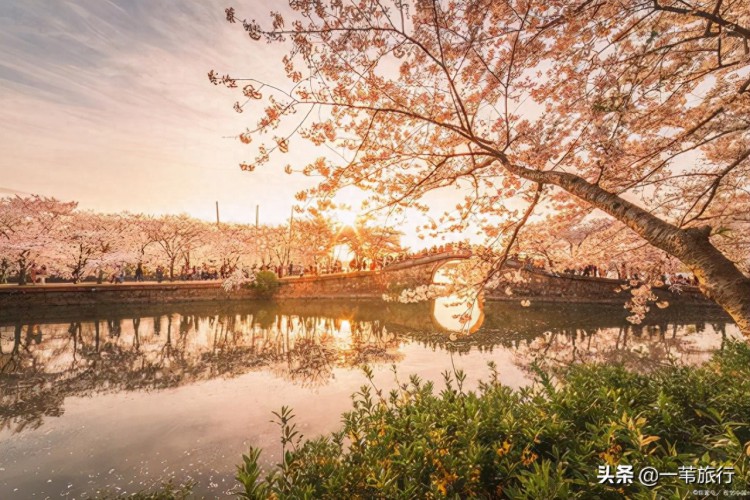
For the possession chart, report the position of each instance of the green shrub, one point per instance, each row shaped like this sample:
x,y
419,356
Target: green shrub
x,y
266,282
543,441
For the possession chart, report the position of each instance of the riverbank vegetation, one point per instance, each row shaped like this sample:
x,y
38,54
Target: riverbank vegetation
x,y
549,440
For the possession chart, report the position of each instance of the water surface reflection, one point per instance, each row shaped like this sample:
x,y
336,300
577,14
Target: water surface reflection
x,y
124,397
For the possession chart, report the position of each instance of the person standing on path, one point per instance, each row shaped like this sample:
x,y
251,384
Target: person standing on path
x,y
4,268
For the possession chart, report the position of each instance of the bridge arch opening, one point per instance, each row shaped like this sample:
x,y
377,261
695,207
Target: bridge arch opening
x,y
441,272
457,312
457,316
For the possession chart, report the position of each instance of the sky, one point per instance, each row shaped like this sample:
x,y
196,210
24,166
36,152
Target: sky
x,y
107,103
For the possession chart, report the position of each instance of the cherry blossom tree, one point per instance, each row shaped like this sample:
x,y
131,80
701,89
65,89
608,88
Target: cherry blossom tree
x,y
567,242
231,244
175,236
273,245
140,239
308,241
636,108
28,229
89,242
313,238
369,241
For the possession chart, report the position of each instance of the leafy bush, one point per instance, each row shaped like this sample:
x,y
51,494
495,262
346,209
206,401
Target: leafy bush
x,y
266,282
543,441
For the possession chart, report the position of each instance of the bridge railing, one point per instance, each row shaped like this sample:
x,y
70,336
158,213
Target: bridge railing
x,y
426,258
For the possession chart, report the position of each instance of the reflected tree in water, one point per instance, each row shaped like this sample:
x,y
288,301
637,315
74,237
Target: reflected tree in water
x,y
112,353
96,352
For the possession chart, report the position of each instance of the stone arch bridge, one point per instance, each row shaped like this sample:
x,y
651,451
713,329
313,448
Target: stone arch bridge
x,y
538,285
408,273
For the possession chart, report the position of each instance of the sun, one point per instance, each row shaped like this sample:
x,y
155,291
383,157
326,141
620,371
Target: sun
x,y
345,216
342,252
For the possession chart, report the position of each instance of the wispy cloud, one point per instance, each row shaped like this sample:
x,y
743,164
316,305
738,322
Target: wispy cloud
x,y
108,103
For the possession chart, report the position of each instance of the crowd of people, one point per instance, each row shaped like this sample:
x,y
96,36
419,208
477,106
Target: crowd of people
x,y
383,261
590,270
625,273
679,279
210,271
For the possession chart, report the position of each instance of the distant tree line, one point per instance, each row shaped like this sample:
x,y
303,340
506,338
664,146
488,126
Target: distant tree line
x,y
76,245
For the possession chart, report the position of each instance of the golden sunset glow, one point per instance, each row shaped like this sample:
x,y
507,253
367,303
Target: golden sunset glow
x,y
342,253
458,315
346,217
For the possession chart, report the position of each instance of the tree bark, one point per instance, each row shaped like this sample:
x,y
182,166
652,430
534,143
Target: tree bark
x,y
720,280
22,270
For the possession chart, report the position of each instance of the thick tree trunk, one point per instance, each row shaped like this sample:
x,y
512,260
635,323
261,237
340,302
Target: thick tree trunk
x,y
720,280
22,264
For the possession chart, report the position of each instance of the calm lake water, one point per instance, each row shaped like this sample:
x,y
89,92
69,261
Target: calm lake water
x,y
121,399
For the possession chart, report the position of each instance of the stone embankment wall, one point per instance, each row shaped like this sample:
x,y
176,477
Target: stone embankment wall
x,y
128,293
364,284
540,285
